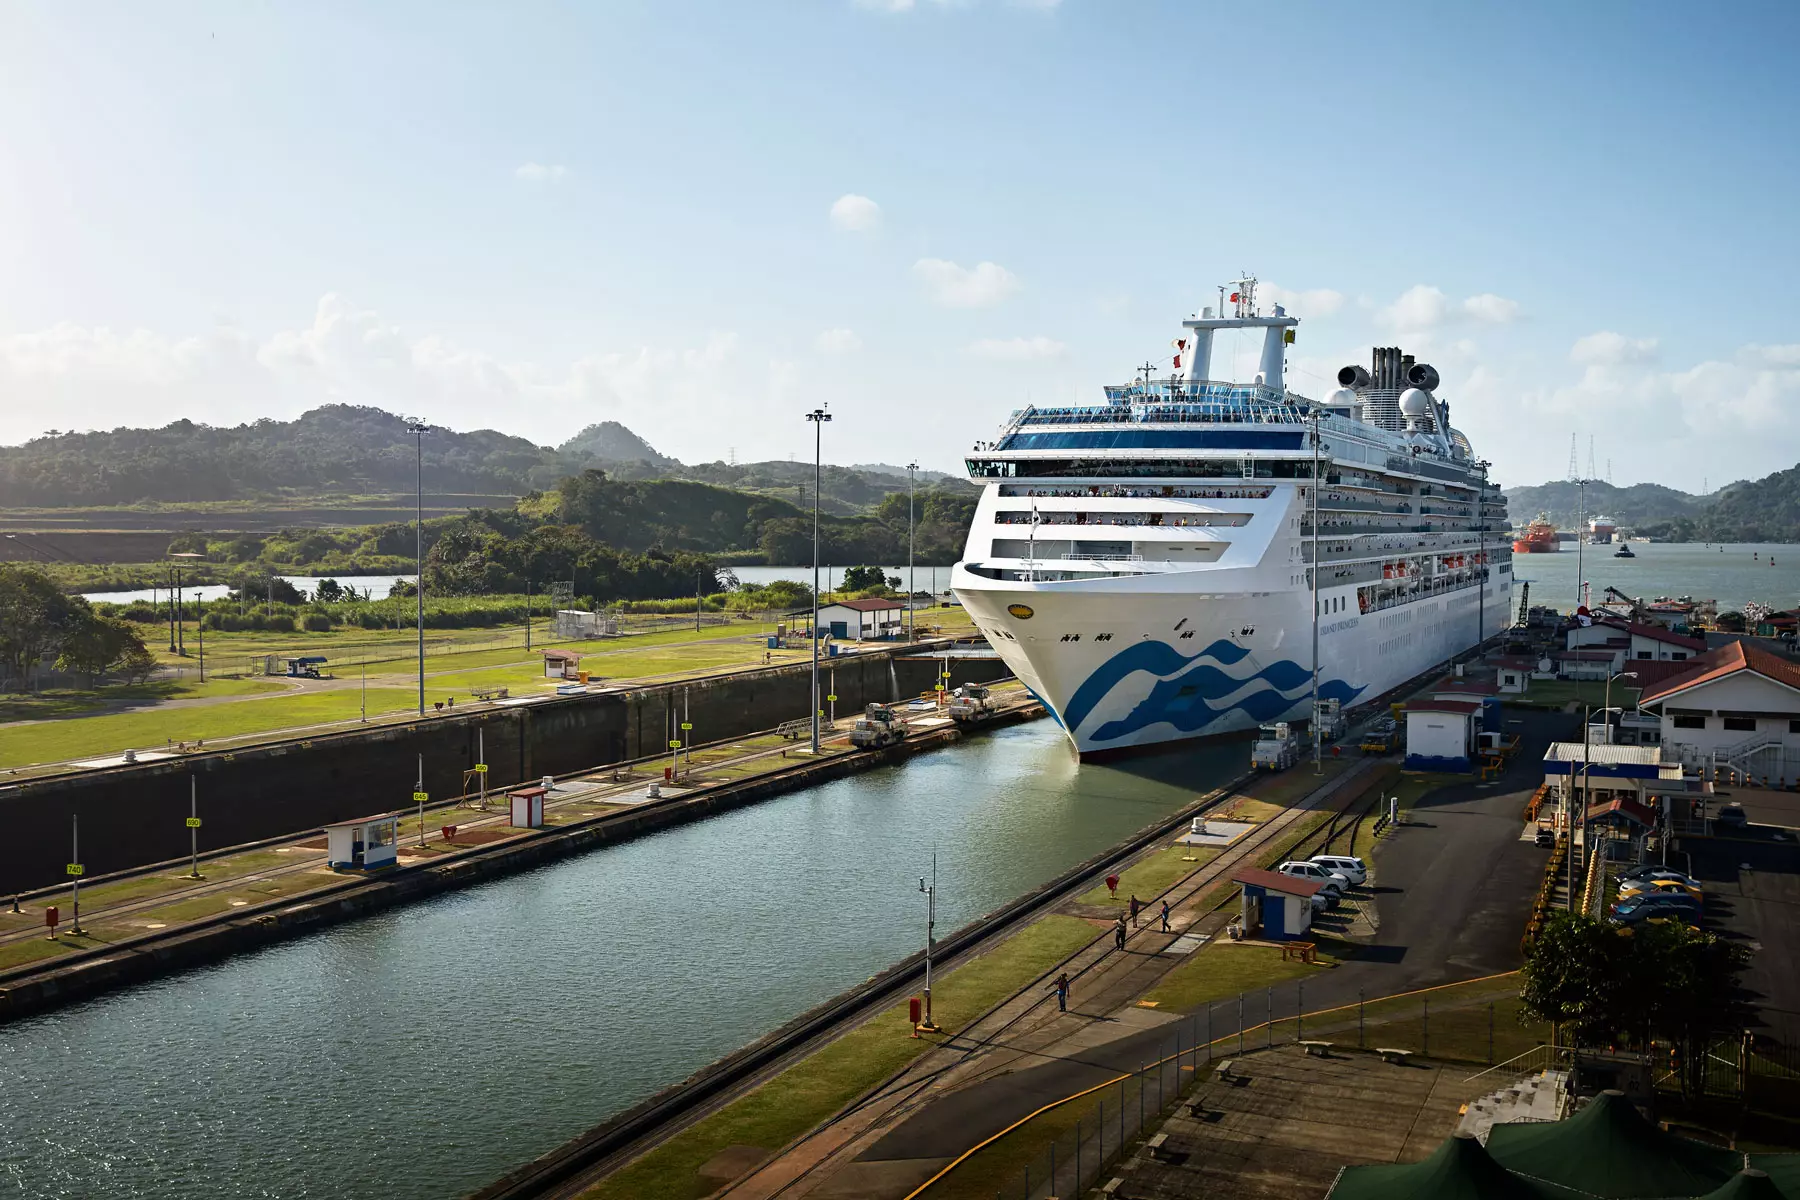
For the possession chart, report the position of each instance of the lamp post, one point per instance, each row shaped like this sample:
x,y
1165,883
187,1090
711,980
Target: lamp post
x,y
1318,758
418,429
818,417
181,616
1587,739
912,492
930,892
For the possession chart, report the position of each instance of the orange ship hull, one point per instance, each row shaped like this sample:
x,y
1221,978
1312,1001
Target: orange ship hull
x,y
1540,538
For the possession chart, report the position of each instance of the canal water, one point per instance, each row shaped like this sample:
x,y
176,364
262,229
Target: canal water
x,y
1733,574
423,1052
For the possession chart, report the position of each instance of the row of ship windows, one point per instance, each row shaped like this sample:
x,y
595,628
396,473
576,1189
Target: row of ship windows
x,y
1035,517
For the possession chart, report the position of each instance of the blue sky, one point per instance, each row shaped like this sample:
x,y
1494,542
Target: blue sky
x,y
539,216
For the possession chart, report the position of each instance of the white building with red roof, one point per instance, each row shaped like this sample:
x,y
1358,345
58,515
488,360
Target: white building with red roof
x,y
1736,708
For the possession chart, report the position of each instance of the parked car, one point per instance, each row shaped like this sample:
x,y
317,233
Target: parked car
x,y
1313,871
1655,871
1324,900
1639,907
1640,887
1545,836
1348,865
1732,815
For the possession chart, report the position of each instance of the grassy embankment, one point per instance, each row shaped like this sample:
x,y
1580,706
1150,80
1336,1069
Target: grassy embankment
x,y
72,725
812,1090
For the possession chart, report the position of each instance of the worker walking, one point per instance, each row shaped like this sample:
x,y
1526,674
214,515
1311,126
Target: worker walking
x,y
1136,905
1119,931
1165,917
1061,987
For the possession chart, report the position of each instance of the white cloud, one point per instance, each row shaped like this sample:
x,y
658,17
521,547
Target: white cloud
x,y
1422,307
857,214
1490,309
1315,302
954,286
1019,349
532,172
837,341
1610,349
69,377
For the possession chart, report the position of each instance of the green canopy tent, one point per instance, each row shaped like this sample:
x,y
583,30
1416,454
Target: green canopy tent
x,y
1459,1169
1608,1149
1748,1184
1783,1171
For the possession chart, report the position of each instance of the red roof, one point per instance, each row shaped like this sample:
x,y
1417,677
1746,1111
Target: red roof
x,y
865,605
1589,655
1643,814
1465,687
1656,633
1275,881
1727,660
562,656
1516,662
1463,707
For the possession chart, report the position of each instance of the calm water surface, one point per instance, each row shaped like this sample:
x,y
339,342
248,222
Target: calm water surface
x,y
423,1052
1731,574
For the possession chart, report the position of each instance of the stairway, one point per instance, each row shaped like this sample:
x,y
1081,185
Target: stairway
x,y
1545,1096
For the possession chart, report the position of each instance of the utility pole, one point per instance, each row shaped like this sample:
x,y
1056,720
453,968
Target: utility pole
x,y
528,609
699,581
418,429
193,824
912,492
1318,749
818,417
930,936
75,870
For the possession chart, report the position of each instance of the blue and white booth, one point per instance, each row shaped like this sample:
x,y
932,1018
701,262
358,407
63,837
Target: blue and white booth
x,y
365,844
1276,905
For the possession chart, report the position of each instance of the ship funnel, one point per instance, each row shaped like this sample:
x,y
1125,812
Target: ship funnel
x,y
1353,376
1422,375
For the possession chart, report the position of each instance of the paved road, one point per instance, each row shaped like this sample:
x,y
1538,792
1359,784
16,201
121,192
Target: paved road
x,y
1753,897
1454,885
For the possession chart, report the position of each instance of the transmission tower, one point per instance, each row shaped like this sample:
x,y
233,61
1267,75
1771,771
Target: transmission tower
x,y
1592,474
1574,467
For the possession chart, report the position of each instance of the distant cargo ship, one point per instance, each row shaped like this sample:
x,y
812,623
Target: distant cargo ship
x,y
1539,537
1601,530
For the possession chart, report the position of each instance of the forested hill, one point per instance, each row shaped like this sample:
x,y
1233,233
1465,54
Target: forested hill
x,y
1761,510
343,449
1627,505
339,448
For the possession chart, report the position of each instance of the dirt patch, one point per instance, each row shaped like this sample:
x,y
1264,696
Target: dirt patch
x,y
480,837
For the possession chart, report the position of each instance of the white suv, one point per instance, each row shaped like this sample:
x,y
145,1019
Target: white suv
x,y
1348,865
1332,880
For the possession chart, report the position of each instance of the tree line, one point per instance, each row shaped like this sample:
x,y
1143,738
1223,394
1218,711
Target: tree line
x,y
39,623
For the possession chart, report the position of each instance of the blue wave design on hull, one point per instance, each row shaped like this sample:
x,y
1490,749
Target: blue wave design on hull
x,y
1182,697
1158,658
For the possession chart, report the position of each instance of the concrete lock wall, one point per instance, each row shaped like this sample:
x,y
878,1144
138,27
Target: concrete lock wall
x,y
133,816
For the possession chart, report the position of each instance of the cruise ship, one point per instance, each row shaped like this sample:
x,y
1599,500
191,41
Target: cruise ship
x,y
1146,565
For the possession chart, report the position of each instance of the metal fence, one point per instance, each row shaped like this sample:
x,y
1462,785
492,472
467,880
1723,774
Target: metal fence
x,y
1070,1144
1074,1143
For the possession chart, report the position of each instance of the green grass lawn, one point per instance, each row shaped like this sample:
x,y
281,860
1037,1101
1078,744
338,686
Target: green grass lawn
x,y
1223,969
1151,875
57,741
1558,692
818,1086
64,703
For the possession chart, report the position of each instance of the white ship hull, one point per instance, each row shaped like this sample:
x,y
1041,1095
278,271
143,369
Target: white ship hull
x,y
1184,660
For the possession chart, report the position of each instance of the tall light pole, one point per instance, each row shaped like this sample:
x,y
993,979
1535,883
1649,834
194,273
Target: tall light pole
x,y
418,429
1318,756
818,417
930,891
912,591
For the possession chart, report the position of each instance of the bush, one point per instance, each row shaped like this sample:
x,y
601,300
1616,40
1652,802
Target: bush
x,y
317,623
144,613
